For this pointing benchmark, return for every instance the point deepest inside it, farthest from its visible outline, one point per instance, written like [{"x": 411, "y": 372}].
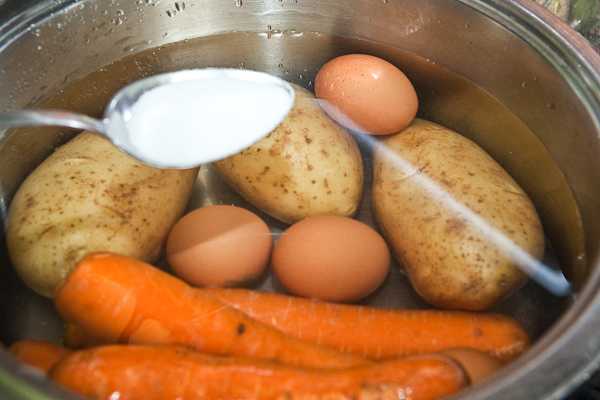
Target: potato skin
[
  {"x": 449, "y": 262},
  {"x": 89, "y": 196},
  {"x": 307, "y": 166}
]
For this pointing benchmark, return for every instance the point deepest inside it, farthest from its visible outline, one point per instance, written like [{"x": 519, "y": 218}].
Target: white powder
[{"x": 189, "y": 123}]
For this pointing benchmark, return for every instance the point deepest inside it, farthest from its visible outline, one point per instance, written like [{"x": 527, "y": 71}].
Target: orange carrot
[
  {"x": 172, "y": 372},
  {"x": 38, "y": 354},
  {"x": 378, "y": 333},
  {"x": 120, "y": 299},
  {"x": 370, "y": 332}
]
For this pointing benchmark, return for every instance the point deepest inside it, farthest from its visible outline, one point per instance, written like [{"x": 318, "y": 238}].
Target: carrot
[
  {"x": 38, "y": 354},
  {"x": 170, "y": 372},
  {"x": 370, "y": 332},
  {"x": 378, "y": 333},
  {"x": 120, "y": 299}
]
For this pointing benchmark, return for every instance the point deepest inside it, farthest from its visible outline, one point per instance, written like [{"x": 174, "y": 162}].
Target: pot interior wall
[
  {"x": 441, "y": 93},
  {"x": 471, "y": 74}
]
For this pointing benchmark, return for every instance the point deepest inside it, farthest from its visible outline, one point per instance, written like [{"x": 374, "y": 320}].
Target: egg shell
[
  {"x": 331, "y": 258},
  {"x": 219, "y": 246},
  {"x": 372, "y": 92}
]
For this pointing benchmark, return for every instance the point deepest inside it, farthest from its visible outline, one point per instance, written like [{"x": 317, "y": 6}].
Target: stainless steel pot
[{"x": 506, "y": 73}]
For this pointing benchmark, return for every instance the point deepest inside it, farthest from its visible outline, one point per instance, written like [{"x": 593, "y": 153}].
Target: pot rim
[
  {"x": 571, "y": 336},
  {"x": 27, "y": 17}
]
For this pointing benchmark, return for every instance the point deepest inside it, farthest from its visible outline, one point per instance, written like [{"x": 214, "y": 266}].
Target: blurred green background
[{"x": 583, "y": 15}]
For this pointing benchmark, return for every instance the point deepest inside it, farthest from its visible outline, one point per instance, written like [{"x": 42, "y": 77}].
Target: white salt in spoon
[{"x": 181, "y": 119}]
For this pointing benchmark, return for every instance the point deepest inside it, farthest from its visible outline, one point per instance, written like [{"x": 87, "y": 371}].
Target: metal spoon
[{"x": 119, "y": 109}]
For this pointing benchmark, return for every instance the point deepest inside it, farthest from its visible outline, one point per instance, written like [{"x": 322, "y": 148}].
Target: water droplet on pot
[{"x": 238, "y": 3}]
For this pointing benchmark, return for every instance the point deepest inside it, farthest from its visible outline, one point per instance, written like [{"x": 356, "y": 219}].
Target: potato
[
  {"x": 449, "y": 261},
  {"x": 89, "y": 196},
  {"x": 307, "y": 166}
]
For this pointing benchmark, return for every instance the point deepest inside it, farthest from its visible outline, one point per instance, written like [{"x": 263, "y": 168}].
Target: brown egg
[
  {"x": 331, "y": 258},
  {"x": 373, "y": 93},
  {"x": 478, "y": 365},
  {"x": 219, "y": 246}
]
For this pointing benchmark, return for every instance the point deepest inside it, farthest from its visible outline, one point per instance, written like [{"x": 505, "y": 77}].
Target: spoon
[{"x": 181, "y": 119}]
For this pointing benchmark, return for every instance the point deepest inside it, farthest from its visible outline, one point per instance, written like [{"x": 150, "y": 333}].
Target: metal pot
[{"x": 506, "y": 73}]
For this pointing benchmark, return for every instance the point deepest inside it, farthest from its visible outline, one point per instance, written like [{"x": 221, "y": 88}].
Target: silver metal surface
[
  {"x": 504, "y": 73},
  {"x": 19, "y": 119}
]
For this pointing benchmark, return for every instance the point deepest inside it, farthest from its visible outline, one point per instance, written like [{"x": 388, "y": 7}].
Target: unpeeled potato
[
  {"x": 89, "y": 196},
  {"x": 450, "y": 262},
  {"x": 307, "y": 166}
]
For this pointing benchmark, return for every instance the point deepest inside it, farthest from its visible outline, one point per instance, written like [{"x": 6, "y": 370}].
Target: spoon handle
[{"x": 68, "y": 119}]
